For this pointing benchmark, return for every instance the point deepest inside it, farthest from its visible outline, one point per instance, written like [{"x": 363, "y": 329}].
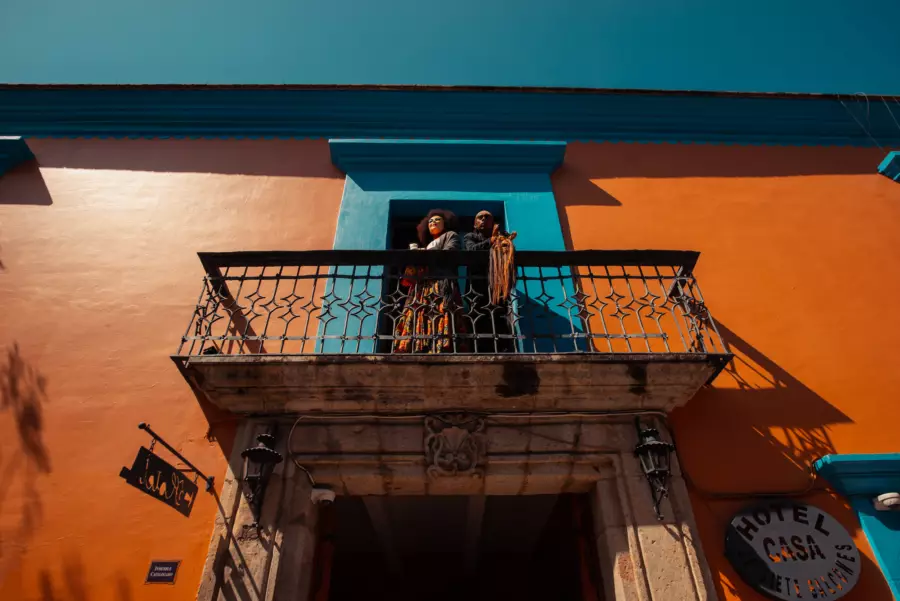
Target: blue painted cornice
[
  {"x": 861, "y": 474},
  {"x": 890, "y": 166},
  {"x": 447, "y": 155},
  {"x": 465, "y": 114},
  {"x": 13, "y": 150}
]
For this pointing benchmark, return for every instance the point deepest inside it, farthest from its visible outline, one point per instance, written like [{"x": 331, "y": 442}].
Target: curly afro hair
[{"x": 451, "y": 224}]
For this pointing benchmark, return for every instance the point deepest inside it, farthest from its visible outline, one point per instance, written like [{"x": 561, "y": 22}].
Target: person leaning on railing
[
  {"x": 431, "y": 317},
  {"x": 489, "y": 319}
]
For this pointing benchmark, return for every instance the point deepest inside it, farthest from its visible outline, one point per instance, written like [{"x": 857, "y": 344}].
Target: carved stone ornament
[{"x": 455, "y": 445}]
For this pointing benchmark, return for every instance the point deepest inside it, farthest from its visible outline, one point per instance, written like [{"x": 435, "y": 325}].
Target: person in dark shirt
[
  {"x": 491, "y": 322},
  {"x": 480, "y": 238}
]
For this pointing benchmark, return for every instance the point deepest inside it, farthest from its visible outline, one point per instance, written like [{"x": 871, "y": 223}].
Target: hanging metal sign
[
  {"x": 792, "y": 551},
  {"x": 162, "y": 481}
]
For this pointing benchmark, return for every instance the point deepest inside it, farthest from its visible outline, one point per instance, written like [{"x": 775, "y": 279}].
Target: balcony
[{"x": 408, "y": 331}]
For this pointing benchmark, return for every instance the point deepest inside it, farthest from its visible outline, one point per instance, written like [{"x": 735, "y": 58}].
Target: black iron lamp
[
  {"x": 653, "y": 454},
  {"x": 259, "y": 463}
]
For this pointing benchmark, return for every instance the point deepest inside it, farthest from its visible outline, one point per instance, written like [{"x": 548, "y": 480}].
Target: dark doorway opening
[
  {"x": 528, "y": 548},
  {"x": 403, "y": 229}
]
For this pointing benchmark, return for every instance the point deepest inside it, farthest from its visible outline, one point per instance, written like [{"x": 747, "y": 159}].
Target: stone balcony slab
[{"x": 278, "y": 384}]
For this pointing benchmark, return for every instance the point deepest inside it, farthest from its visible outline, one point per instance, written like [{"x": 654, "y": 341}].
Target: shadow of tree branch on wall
[
  {"x": 74, "y": 585},
  {"x": 23, "y": 393}
]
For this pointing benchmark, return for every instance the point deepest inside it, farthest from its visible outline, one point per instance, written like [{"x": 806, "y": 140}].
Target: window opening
[{"x": 475, "y": 326}]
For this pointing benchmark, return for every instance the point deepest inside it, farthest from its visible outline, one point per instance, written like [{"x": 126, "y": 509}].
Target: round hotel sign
[{"x": 792, "y": 551}]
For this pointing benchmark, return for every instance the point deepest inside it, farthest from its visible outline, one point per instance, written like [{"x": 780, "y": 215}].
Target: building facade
[{"x": 231, "y": 266}]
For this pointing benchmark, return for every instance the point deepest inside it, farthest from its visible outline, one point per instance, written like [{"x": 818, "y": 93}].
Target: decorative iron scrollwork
[
  {"x": 455, "y": 445},
  {"x": 399, "y": 302}
]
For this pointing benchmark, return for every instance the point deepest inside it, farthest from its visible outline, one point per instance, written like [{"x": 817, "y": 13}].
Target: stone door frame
[{"x": 641, "y": 558}]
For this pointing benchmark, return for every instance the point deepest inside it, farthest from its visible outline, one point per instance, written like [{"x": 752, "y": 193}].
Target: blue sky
[{"x": 820, "y": 46}]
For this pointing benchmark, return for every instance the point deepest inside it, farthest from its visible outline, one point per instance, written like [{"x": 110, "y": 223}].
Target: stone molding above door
[{"x": 641, "y": 558}]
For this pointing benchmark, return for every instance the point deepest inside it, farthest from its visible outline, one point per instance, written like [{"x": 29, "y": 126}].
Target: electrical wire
[
  {"x": 888, "y": 107},
  {"x": 858, "y": 122},
  {"x": 799, "y": 492},
  {"x": 868, "y": 108},
  {"x": 417, "y": 416}
]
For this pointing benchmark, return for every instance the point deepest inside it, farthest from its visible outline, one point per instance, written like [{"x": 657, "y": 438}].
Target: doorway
[{"x": 537, "y": 547}]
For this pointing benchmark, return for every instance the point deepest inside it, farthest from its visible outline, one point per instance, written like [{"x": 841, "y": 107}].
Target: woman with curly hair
[{"x": 430, "y": 320}]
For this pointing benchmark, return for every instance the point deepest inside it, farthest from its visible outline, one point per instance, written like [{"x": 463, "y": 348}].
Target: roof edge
[{"x": 461, "y": 88}]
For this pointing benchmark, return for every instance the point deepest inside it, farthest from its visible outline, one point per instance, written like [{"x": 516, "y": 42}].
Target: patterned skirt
[{"x": 431, "y": 320}]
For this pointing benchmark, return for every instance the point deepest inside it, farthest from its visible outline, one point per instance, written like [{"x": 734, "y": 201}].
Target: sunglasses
[{"x": 435, "y": 220}]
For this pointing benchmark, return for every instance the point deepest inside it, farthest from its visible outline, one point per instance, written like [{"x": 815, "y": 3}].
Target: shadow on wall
[
  {"x": 24, "y": 185},
  {"x": 757, "y": 431},
  {"x": 23, "y": 393},
  {"x": 73, "y": 584},
  {"x": 799, "y": 418},
  {"x": 574, "y": 185},
  {"x": 288, "y": 158},
  {"x": 221, "y": 424},
  {"x": 774, "y": 422},
  {"x": 231, "y": 573},
  {"x": 609, "y": 160}
]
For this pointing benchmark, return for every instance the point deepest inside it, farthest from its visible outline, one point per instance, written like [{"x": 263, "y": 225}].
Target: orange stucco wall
[
  {"x": 99, "y": 276},
  {"x": 799, "y": 266}
]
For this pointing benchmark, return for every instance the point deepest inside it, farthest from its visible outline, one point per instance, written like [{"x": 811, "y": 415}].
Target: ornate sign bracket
[{"x": 161, "y": 480}]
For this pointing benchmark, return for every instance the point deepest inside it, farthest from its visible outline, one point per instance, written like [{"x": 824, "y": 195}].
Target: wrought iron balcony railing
[{"x": 406, "y": 302}]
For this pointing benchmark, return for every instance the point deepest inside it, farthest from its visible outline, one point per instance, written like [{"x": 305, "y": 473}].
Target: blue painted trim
[
  {"x": 882, "y": 529},
  {"x": 372, "y": 197},
  {"x": 860, "y": 478},
  {"x": 13, "y": 151},
  {"x": 861, "y": 474},
  {"x": 152, "y": 111},
  {"x": 498, "y": 156},
  {"x": 890, "y": 166},
  {"x": 528, "y": 200}
]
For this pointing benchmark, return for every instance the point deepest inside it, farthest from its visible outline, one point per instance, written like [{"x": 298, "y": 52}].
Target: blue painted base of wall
[
  {"x": 861, "y": 478},
  {"x": 882, "y": 528}
]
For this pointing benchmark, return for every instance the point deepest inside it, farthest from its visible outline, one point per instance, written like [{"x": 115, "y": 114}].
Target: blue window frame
[{"x": 386, "y": 178}]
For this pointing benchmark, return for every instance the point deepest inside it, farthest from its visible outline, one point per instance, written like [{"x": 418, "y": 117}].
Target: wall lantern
[
  {"x": 653, "y": 454},
  {"x": 259, "y": 463}
]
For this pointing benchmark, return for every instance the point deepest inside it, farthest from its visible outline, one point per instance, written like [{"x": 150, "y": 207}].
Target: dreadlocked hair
[{"x": 502, "y": 273}]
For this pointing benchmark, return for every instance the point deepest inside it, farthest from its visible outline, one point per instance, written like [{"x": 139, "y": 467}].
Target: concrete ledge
[{"x": 280, "y": 384}]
